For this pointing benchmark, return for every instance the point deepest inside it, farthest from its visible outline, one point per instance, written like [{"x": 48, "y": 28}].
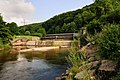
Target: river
[{"x": 32, "y": 65}]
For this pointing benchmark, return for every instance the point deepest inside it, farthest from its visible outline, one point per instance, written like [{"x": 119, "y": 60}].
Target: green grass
[{"x": 23, "y": 36}]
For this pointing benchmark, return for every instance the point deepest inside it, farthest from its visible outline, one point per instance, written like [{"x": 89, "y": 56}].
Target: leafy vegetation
[
  {"x": 75, "y": 59},
  {"x": 109, "y": 42},
  {"x": 5, "y": 33},
  {"x": 33, "y": 30},
  {"x": 91, "y": 17}
]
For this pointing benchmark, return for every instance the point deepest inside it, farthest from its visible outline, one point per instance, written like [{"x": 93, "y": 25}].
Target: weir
[
  {"x": 61, "y": 40},
  {"x": 44, "y": 43}
]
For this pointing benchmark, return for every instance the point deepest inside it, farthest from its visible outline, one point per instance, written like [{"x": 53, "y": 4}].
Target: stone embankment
[{"x": 96, "y": 68}]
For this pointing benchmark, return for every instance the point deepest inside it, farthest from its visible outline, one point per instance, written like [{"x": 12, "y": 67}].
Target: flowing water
[{"x": 32, "y": 65}]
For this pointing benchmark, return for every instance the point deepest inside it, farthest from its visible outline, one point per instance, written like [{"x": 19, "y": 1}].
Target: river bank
[{"x": 87, "y": 65}]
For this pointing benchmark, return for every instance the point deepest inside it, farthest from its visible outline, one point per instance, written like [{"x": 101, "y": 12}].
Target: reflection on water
[{"x": 33, "y": 65}]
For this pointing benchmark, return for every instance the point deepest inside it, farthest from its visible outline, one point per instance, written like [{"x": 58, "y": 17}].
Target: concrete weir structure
[
  {"x": 47, "y": 43},
  {"x": 61, "y": 40}
]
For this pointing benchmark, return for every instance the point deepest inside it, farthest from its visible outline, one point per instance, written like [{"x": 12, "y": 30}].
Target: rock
[
  {"x": 108, "y": 65},
  {"x": 35, "y": 38},
  {"x": 80, "y": 75},
  {"x": 89, "y": 65},
  {"x": 88, "y": 71},
  {"x": 67, "y": 72},
  {"x": 89, "y": 74},
  {"x": 61, "y": 78},
  {"x": 64, "y": 75},
  {"x": 70, "y": 74},
  {"x": 31, "y": 43},
  {"x": 91, "y": 51},
  {"x": 91, "y": 59},
  {"x": 24, "y": 40},
  {"x": 58, "y": 78}
]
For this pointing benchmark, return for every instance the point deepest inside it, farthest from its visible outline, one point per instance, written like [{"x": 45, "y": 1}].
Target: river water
[{"x": 32, "y": 65}]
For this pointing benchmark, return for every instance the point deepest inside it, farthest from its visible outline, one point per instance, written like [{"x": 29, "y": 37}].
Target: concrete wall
[
  {"x": 35, "y": 41},
  {"x": 49, "y": 43}
]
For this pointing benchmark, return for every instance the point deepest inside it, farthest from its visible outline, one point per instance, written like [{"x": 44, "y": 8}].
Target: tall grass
[{"x": 76, "y": 58}]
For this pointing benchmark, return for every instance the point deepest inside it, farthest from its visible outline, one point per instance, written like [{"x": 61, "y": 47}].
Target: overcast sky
[{"x": 37, "y": 10}]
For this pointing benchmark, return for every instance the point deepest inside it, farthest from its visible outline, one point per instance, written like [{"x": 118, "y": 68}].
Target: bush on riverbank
[
  {"x": 108, "y": 47},
  {"x": 109, "y": 42},
  {"x": 76, "y": 59},
  {"x": 2, "y": 46}
]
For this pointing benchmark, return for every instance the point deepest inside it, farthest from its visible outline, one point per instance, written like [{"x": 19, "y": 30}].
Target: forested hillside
[
  {"x": 7, "y": 30},
  {"x": 35, "y": 29},
  {"x": 92, "y": 17}
]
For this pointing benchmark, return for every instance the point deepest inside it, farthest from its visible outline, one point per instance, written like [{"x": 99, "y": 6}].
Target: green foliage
[
  {"x": 83, "y": 40},
  {"x": 23, "y": 36},
  {"x": 93, "y": 27},
  {"x": 87, "y": 16},
  {"x": 116, "y": 76},
  {"x": 1, "y": 43},
  {"x": 34, "y": 30},
  {"x": 114, "y": 16},
  {"x": 68, "y": 22},
  {"x": 101, "y": 12},
  {"x": 13, "y": 28},
  {"x": 5, "y": 33},
  {"x": 27, "y": 33},
  {"x": 37, "y": 34},
  {"x": 109, "y": 42},
  {"x": 42, "y": 31},
  {"x": 76, "y": 58}
]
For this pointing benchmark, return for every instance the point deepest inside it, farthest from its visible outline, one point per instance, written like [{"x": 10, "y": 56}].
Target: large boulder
[
  {"x": 88, "y": 71},
  {"x": 86, "y": 75},
  {"x": 91, "y": 52},
  {"x": 108, "y": 65},
  {"x": 91, "y": 65}
]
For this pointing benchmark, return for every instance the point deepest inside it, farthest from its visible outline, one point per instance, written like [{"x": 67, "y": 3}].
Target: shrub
[
  {"x": 27, "y": 33},
  {"x": 83, "y": 40},
  {"x": 37, "y": 34},
  {"x": 109, "y": 42}
]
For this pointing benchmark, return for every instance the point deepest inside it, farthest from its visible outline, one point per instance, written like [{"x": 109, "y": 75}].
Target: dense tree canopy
[
  {"x": 101, "y": 10},
  {"x": 34, "y": 30},
  {"x": 5, "y": 33}
]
